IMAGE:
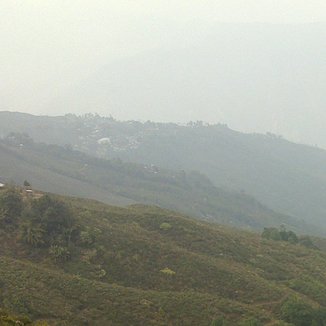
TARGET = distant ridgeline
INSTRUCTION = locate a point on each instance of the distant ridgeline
(65, 171)
(287, 177)
(72, 261)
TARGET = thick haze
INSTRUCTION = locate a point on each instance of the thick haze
(255, 65)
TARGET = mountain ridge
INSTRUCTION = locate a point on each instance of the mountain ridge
(287, 177)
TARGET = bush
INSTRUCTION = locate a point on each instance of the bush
(219, 322)
(271, 234)
(52, 214)
(167, 271)
(165, 226)
(251, 322)
(280, 235)
(297, 312)
(86, 238)
(32, 234)
(11, 205)
(59, 254)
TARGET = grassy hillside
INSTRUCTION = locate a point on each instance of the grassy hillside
(80, 262)
(287, 177)
(64, 171)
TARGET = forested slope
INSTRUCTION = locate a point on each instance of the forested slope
(72, 262)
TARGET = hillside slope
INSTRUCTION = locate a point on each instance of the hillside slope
(63, 171)
(287, 177)
(147, 266)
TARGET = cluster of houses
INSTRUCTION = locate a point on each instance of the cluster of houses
(27, 189)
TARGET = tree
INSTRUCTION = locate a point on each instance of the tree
(272, 234)
(11, 205)
(283, 233)
(53, 215)
(292, 237)
(280, 235)
(297, 312)
(32, 235)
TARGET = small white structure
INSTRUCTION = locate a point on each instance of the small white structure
(2, 185)
(104, 141)
(29, 192)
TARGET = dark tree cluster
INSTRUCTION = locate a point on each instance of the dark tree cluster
(299, 313)
(11, 206)
(282, 234)
(45, 222)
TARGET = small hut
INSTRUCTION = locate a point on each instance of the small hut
(29, 192)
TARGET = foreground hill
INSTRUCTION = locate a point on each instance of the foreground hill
(287, 177)
(64, 171)
(80, 262)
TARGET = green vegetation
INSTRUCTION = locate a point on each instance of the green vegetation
(10, 206)
(298, 313)
(282, 234)
(167, 271)
(70, 261)
(165, 226)
(7, 319)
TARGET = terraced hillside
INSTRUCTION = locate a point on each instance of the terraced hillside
(80, 262)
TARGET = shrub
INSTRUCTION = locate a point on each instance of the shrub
(271, 234)
(165, 226)
(11, 205)
(292, 237)
(59, 253)
(52, 214)
(32, 235)
(297, 312)
(218, 322)
(167, 271)
(251, 322)
(86, 238)
(280, 235)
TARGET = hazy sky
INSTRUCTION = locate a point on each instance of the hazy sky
(46, 45)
